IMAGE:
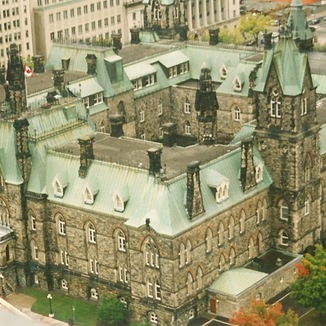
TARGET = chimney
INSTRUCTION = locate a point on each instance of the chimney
(116, 121)
(38, 61)
(86, 154)
(213, 36)
(169, 134)
(154, 155)
(267, 41)
(117, 42)
(248, 175)
(135, 32)
(194, 203)
(58, 79)
(91, 64)
(2, 75)
(23, 154)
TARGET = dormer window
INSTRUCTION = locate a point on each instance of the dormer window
(259, 171)
(120, 199)
(89, 194)
(223, 72)
(237, 85)
(220, 183)
(59, 184)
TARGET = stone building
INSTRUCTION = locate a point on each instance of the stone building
(165, 228)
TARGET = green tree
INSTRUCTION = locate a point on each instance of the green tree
(253, 24)
(230, 37)
(309, 289)
(260, 313)
(111, 311)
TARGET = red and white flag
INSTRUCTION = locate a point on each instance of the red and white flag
(28, 71)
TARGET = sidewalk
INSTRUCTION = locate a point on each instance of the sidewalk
(21, 303)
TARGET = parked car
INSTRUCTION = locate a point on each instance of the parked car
(315, 21)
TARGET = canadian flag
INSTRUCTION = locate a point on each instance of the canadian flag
(28, 71)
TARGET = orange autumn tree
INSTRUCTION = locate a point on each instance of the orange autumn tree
(262, 314)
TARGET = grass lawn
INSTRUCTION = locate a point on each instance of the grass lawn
(311, 319)
(85, 311)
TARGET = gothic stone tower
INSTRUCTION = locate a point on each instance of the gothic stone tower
(16, 81)
(287, 135)
(206, 106)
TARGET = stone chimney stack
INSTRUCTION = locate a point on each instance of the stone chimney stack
(194, 205)
(116, 38)
(38, 61)
(213, 36)
(135, 33)
(247, 173)
(154, 155)
(267, 41)
(23, 154)
(116, 122)
(59, 80)
(86, 154)
(91, 64)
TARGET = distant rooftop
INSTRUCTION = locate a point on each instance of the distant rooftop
(133, 153)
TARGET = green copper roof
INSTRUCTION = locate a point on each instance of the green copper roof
(51, 128)
(161, 201)
(77, 55)
(290, 65)
(8, 163)
(246, 131)
(235, 281)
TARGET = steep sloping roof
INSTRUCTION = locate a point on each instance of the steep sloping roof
(290, 66)
(8, 162)
(149, 197)
(49, 129)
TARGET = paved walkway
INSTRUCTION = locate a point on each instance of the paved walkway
(23, 303)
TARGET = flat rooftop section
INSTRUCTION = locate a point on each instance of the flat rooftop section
(270, 261)
(43, 81)
(133, 153)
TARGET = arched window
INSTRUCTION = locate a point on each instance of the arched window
(284, 210)
(242, 221)
(157, 290)
(190, 282)
(259, 243)
(61, 225)
(187, 128)
(307, 168)
(199, 278)
(4, 213)
(152, 258)
(91, 233)
(152, 317)
(231, 227)
(181, 255)
(251, 248)
(220, 234)
(121, 239)
(264, 210)
(236, 112)
(284, 238)
(188, 252)
(34, 250)
(7, 253)
(222, 262)
(232, 257)
(276, 104)
(186, 106)
(209, 237)
(258, 212)
(307, 206)
(64, 284)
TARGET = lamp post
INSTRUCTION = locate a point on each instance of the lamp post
(73, 315)
(51, 314)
